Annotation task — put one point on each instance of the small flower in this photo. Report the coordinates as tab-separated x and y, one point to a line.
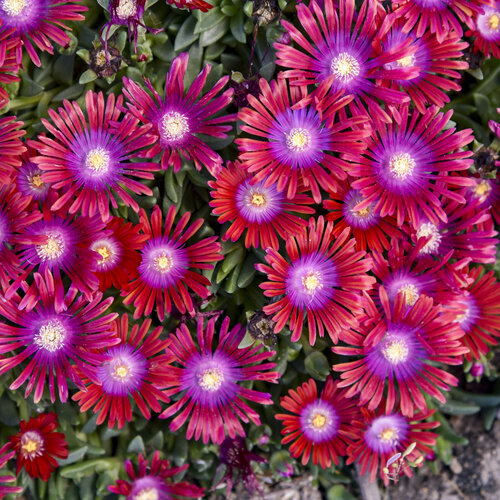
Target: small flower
153	481
191	4
165	272
9	66
318	426
485	30
10	147
178	118
317	282
208	379
477	369
38	445
6	453
28	178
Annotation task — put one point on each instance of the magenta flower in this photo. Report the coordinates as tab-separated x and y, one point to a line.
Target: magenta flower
53	336
6	453
11	147
28	178
9	67
211	398
90	156
178	118
485	29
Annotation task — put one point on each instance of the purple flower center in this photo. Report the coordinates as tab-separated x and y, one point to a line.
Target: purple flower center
32	445
148	488
22	13
30	183
311	280
51	335
319	421
432	4
173	127
110	252
257	203
488	24
124	371
385	433
359	219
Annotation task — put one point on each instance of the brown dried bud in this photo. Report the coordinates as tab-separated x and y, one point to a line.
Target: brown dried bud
265	11
104	65
260	326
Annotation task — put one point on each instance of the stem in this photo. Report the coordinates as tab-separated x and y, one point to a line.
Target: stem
369	491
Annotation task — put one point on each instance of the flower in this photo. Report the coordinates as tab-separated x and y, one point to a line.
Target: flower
178	118
379	435
440	17
293	146
485	30
191	4
118	257
6	453
208	380
316	282
153	481
9	67
38	445
28	178
35	23
133	368
370	231
261	211
341	53
317	426
407	162
54	331
91	160
165	271
10	147
397	353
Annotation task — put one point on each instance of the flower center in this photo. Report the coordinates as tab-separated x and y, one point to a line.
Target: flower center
299	139
97	160
258	200
147	494
121	372
106	254
493	22
163	263
410	293
406	62
174	126
363	213
429	229
52	249
211	379
35	181
126	9
318	421
396	351
312	281
388	435
345	67
32	444
51	336
15	7
482	190
401	165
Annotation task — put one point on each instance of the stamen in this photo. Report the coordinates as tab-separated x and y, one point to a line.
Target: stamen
493	22
312	281
97	160
52	249
299	139
32	444
211	379
410	293
106	254
401	165
388	435
121	372
318	421
429	229
35	181
163	263
482	189
15	8
345	66
406	62
51	336
258	200
126	9
396	351
174	126
147	494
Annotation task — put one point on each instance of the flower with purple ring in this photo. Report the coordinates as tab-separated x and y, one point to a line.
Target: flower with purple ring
6	453
11	147
208	380
485	30
29	178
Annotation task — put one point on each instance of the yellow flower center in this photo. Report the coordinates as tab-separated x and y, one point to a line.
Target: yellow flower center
52	249
163	263
429	229
51	336
401	165
35	181
258	199
299	139
32	444
105	253
396	351
482	190
147	494
211	379
493	22
126	9
406	62
388	435
121	372
345	67
312	281
97	160
410	294
319	421
174	126
15	7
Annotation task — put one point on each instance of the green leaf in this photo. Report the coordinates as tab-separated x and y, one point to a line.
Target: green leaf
482	400
443	449
317	365
8	412
338	492
74	456
233	258
87	76
186	35
215	33
209	20
483	105
452	407
136	445
236	27
488	417
70	93
83	469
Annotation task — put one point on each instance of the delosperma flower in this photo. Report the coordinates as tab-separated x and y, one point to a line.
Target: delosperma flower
209	376
28	178
316	282
485	30
6	453
10	147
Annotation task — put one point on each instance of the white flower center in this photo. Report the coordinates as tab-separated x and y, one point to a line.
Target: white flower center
396	351
318	421
106	254
126	9
429	229
174	126
345	67
15	7
121	372
312	281
97	160
482	189
299	139
147	494
406	62
35	181
388	435
258	200
493	22
163	263
211	379
410	294
401	165
32	444
52	249
51	336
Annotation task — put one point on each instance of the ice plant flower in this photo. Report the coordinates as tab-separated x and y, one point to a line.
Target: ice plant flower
340	46
28	178
10	147
379	436
118	253
152	481
38	445
397	354
135	369
292	146
317	426
9	67
191	4
167	262
89	156
263	212
316	282
37	23
6	453
211	398
407	162
178	118
53	331
485	30
370	231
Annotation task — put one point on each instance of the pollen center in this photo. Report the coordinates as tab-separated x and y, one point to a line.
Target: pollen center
211	379
126	9
388	435
105	252
51	336
163	263
345	67
410	293
147	494
429	229
363	213
174	126
396	351
318	421
482	190
32	444
401	165
258	200
299	139
312	281
52	249
121	372
35	181
15	7
97	160
406	62
493	22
